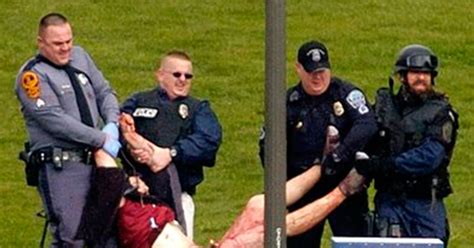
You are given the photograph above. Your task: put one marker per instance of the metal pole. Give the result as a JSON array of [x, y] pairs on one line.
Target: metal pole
[[275, 124]]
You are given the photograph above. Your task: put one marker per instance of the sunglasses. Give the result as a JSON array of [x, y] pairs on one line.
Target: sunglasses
[[178, 74]]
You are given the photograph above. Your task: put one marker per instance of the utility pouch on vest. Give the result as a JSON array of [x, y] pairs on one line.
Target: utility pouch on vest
[[31, 169]]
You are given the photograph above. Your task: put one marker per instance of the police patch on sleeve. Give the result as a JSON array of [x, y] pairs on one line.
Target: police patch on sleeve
[[294, 96], [262, 134], [357, 100], [31, 84], [447, 131], [145, 112]]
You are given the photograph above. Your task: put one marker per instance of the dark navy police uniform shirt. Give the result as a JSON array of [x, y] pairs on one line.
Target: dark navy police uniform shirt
[[308, 117]]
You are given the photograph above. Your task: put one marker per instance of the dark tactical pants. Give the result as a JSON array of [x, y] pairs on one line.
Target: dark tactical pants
[[414, 217]]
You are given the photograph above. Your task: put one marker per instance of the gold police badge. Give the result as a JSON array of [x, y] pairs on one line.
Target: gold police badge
[[183, 111], [338, 108]]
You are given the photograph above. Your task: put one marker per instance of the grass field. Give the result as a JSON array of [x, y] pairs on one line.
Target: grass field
[[226, 41]]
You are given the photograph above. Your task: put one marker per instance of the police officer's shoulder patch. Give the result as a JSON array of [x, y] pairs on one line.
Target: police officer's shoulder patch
[[262, 134], [31, 84], [356, 99], [447, 132], [145, 112], [294, 96]]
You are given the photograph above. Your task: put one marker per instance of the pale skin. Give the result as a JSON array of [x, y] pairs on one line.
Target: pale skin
[[254, 210], [171, 76], [55, 42], [146, 152], [314, 83], [248, 229], [419, 82], [104, 160]]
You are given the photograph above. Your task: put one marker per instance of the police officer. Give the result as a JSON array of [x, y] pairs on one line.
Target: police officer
[[417, 135], [184, 129], [64, 99], [317, 101]]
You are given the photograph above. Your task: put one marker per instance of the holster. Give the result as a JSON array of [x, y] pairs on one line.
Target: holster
[[377, 226], [31, 168], [370, 226]]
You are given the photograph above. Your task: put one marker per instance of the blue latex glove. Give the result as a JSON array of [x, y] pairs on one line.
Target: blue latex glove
[[111, 146], [112, 130]]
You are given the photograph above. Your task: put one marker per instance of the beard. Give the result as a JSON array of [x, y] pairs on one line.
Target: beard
[[412, 97]]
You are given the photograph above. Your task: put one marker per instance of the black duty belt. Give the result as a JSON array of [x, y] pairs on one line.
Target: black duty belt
[[58, 155]]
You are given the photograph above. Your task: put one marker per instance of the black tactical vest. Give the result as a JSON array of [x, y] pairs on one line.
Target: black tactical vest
[[162, 123], [404, 129]]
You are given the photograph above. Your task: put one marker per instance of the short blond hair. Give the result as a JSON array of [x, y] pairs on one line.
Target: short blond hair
[[177, 54]]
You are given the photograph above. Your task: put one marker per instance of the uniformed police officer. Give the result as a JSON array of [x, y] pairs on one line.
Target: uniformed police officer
[[185, 130], [412, 150], [317, 101], [64, 100]]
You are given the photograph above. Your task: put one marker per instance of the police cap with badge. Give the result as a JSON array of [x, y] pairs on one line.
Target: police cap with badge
[[314, 56]]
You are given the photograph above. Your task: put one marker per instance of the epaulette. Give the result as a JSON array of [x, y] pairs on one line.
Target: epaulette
[[31, 64]]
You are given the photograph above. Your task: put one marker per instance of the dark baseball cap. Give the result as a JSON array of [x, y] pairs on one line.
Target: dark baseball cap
[[314, 56]]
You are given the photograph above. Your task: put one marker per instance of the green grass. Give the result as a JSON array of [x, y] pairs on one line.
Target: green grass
[[226, 41]]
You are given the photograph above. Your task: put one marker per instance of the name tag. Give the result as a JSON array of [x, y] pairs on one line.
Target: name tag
[[145, 112]]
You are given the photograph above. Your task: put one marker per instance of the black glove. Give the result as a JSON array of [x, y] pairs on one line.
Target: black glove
[[374, 166], [332, 164]]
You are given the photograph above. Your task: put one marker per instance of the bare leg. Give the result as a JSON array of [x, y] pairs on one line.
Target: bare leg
[[253, 214], [248, 227], [147, 152], [308, 216], [300, 185], [134, 140], [104, 160]]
